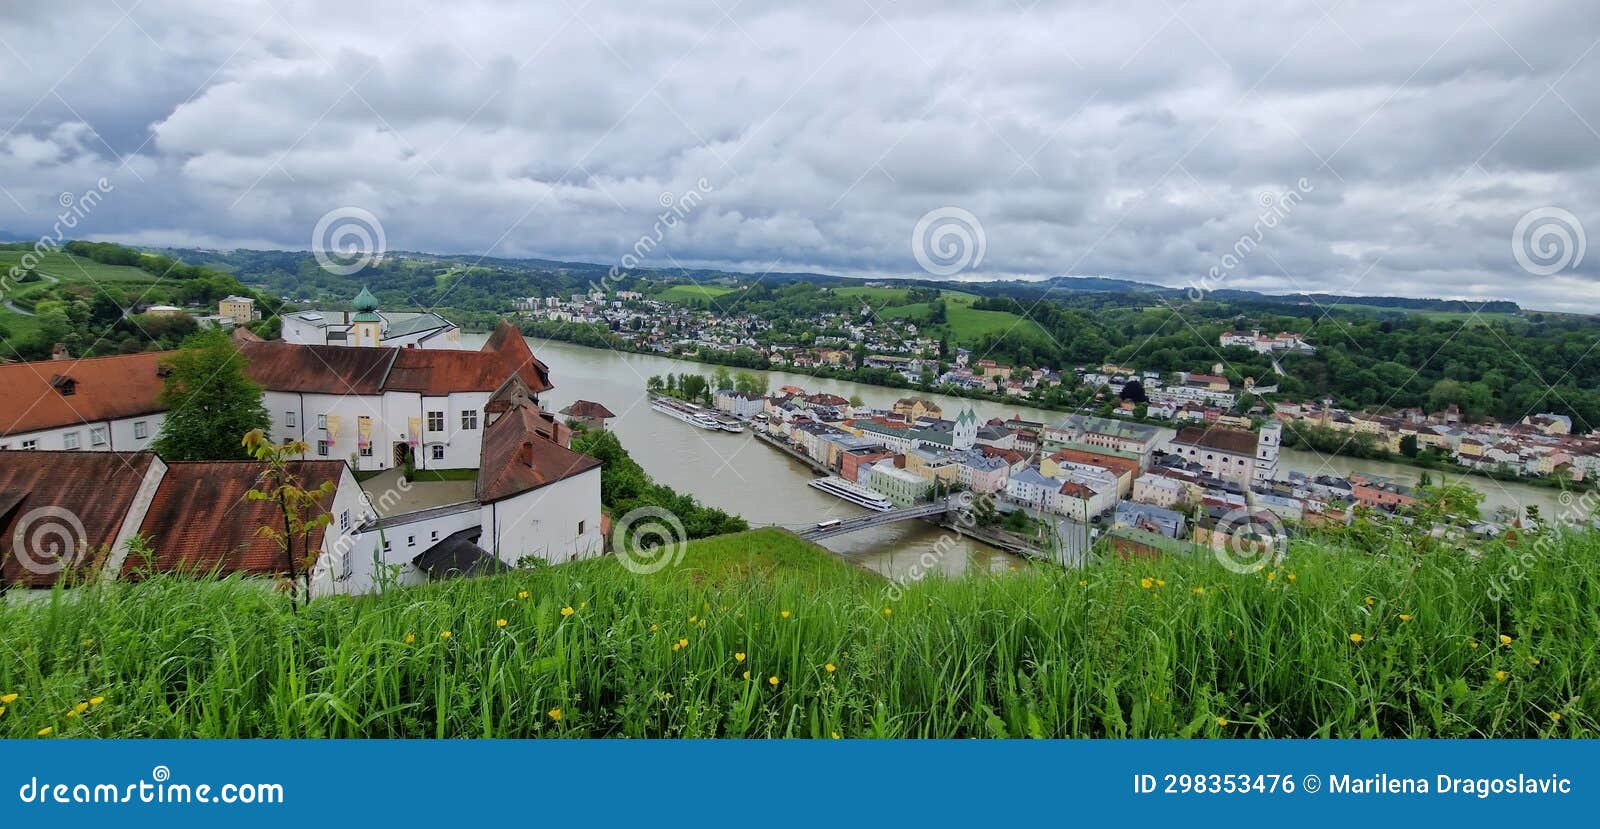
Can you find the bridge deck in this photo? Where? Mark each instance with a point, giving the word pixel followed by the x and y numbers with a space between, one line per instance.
pixel 879 519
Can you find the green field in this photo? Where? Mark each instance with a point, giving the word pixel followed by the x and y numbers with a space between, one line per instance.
pixel 1456 316
pixel 69 270
pixel 693 294
pixel 762 635
pixel 964 323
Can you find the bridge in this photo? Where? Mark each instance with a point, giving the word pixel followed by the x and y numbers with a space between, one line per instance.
pixel 817 532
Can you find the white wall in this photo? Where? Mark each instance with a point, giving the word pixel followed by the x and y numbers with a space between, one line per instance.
pixel 544 522
pixel 119 433
pixel 391 414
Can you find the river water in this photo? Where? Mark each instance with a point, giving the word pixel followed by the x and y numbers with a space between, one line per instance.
pixel 737 473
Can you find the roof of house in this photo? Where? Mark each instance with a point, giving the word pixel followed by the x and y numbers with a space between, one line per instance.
pixel 42 494
pixel 437 372
pixel 1222 438
pixel 587 408
pixel 201 520
pixel 458 555
pixel 521 454
pixel 318 369
pixel 103 388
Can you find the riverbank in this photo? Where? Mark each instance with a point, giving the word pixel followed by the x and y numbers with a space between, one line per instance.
pixel 761 635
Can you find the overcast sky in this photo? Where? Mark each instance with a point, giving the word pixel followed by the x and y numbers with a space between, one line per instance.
pixel 1130 139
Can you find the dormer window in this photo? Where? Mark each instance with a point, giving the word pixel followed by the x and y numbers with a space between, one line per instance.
pixel 65 385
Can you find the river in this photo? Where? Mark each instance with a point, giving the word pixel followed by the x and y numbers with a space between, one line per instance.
pixel 737 473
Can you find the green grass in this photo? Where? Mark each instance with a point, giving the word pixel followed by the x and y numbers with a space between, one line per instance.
pixel 1044 652
pixel 69 270
pixel 963 325
pixel 697 294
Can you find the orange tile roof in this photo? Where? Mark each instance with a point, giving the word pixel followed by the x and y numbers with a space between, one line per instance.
pixel 201 521
pixel 95 488
pixel 104 388
pixel 521 453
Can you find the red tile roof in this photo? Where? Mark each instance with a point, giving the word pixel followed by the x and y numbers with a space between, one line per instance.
pixel 109 388
pixel 1220 438
pixel 521 453
pixel 588 408
pixel 201 521
pixel 95 488
pixel 103 388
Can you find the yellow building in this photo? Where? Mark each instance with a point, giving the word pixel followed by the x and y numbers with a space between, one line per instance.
pixel 241 308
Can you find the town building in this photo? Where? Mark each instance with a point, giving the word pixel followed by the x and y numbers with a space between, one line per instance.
pixel 900 486
pixel 368 327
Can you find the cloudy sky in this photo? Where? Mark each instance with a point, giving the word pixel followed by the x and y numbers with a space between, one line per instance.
pixel 1128 138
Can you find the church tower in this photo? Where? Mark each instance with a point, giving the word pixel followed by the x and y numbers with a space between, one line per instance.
pixel 1267 444
pixel 366 327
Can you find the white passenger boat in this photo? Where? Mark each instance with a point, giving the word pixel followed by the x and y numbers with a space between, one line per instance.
pixel 687 412
pixel 727 423
pixel 853 492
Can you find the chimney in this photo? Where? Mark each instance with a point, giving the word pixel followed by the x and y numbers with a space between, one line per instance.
pixel 60 352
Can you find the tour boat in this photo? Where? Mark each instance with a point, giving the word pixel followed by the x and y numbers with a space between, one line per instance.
pixel 687 412
pixel 852 492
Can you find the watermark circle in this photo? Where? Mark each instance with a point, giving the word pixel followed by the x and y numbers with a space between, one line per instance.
pixel 1247 540
pixel 648 540
pixel 948 240
pixel 347 239
pixel 1548 240
pixel 48 540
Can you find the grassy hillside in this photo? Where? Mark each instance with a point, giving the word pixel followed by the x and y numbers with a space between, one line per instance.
pixel 693 294
pixel 64 269
pixel 963 325
pixel 762 635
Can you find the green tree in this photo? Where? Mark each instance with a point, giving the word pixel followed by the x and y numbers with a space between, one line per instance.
pixel 300 508
pixel 209 400
pixel 1408 445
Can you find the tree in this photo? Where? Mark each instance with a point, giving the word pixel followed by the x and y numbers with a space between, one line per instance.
pixel 722 379
pixel 1133 390
pixel 1408 445
pixel 299 507
pixel 209 400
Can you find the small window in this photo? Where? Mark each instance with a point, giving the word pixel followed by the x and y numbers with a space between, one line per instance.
pixel 366 451
pixel 580 528
pixel 323 448
pixel 469 419
pixel 386 545
pixel 438 452
pixel 322 421
pixel 141 429
pixel 288 419
pixel 69 440
pixel 344 520
pixel 433 536
pixel 411 541
pixel 30 444
pixel 436 421
pixel 97 436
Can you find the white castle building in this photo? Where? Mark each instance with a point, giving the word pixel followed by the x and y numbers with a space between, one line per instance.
pixel 369 327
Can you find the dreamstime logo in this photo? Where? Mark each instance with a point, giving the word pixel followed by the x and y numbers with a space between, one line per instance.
pixel 1276 207
pixel 1246 540
pixel 675 210
pixel 1548 240
pixel 649 540
pixel 347 240
pixel 948 241
pixel 75 208
pixel 48 540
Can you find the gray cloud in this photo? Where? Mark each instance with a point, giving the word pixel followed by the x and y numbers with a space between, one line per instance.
pixel 1128 139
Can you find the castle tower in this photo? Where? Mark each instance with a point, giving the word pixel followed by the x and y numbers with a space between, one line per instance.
pixel 367 327
pixel 966 431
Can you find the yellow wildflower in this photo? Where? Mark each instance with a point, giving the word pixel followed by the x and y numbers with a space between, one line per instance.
pixel 772 680
pixel 1147 582
pixel 567 611
pixel 1356 638
pixel 693 619
pixel 1504 639
pixel 8 699
pixel 1161 582
pixel 1272 575
pixel 784 613
pixel 583 605
pixel 1199 591
pixel 1081 583
pixel 1501 676
pixel 1533 661
pixel 888 611
pixel 829 668
pixel 1555 715
pixel 45 732
pixel 2 710
pixel 1222 721
pixel 683 643
pixel 835 735
pixel 746 674
pixel 702 623
pixel 1292 577
pixel 738 657
pixel 555 714
pixel 654 628
pixel 1472 643
pixel 444 634
pixel 1371 601
pixel 522 594
pixel 499 623
pixel 1405 617
pixel 411 638
pixel 96 700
